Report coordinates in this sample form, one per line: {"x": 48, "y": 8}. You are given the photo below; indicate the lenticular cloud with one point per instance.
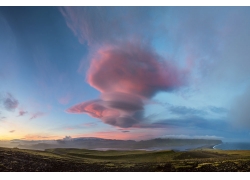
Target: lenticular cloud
{"x": 126, "y": 75}
{"x": 132, "y": 69}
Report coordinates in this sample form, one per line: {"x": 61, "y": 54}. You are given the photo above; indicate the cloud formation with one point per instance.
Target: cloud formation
{"x": 37, "y": 115}
{"x": 117, "y": 109}
{"x": 123, "y": 67}
{"x": 182, "y": 136}
{"x": 9, "y": 102}
{"x": 101, "y": 25}
{"x": 126, "y": 75}
{"x": 67, "y": 138}
{"x": 22, "y": 113}
{"x": 218, "y": 110}
{"x": 133, "y": 68}
{"x": 183, "y": 110}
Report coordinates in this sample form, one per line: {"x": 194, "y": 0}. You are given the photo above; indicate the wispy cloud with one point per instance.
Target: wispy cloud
{"x": 125, "y": 131}
{"x": 114, "y": 23}
{"x": 218, "y": 110}
{"x": 22, "y": 113}
{"x": 80, "y": 126}
{"x": 37, "y": 115}
{"x": 39, "y": 137}
{"x": 183, "y": 110}
{"x": 12, "y": 131}
{"x": 181, "y": 136}
{"x": 2, "y": 118}
{"x": 91, "y": 124}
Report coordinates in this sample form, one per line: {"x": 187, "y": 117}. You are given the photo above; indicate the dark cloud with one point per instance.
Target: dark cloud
{"x": 37, "y": 115}
{"x": 218, "y": 110}
{"x": 121, "y": 121}
{"x": 192, "y": 137}
{"x": 9, "y": 102}
{"x": 125, "y": 131}
{"x": 189, "y": 122}
{"x": 117, "y": 109}
{"x": 183, "y": 110}
{"x": 123, "y": 101}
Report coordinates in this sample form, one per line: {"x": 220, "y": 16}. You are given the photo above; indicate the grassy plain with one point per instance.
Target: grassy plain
{"x": 83, "y": 160}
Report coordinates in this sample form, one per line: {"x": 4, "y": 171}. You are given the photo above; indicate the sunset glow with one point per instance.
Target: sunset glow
{"x": 131, "y": 73}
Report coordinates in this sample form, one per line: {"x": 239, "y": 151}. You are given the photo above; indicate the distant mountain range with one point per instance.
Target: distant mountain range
{"x": 105, "y": 144}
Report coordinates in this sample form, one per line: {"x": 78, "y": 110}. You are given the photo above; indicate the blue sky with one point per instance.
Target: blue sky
{"x": 124, "y": 72}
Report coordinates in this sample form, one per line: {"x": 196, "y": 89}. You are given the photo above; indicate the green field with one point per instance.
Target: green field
{"x": 63, "y": 160}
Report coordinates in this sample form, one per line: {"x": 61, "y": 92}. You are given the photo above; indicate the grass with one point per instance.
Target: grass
{"x": 115, "y": 156}
{"x": 137, "y": 160}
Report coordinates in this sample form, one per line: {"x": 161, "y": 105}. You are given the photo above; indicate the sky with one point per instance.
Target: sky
{"x": 125, "y": 72}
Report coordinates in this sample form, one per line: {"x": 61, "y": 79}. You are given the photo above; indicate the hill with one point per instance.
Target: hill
{"x": 104, "y": 144}
{"x": 83, "y": 160}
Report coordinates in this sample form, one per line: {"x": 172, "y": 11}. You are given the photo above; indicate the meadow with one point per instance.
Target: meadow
{"x": 83, "y": 160}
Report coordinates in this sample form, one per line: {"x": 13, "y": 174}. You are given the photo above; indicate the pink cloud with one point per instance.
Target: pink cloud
{"x": 144, "y": 134}
{"x": 117, "y": 109}
{"x": 132, "y": 68}
{"x": 22, "y": 113}
{"x": 127, "y": 75}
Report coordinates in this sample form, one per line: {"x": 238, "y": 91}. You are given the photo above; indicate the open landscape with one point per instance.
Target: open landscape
{"x": 83, "y": 160}
{"x": 124, "y": 89}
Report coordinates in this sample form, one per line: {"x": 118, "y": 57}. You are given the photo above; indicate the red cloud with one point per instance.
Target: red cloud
{"x": 117, "y": 109}
{"x": 132, "y": 69}
{"x": 139, "y": 134}
{"x": 126, "y": 75}
{"x": 102, "y": 110}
